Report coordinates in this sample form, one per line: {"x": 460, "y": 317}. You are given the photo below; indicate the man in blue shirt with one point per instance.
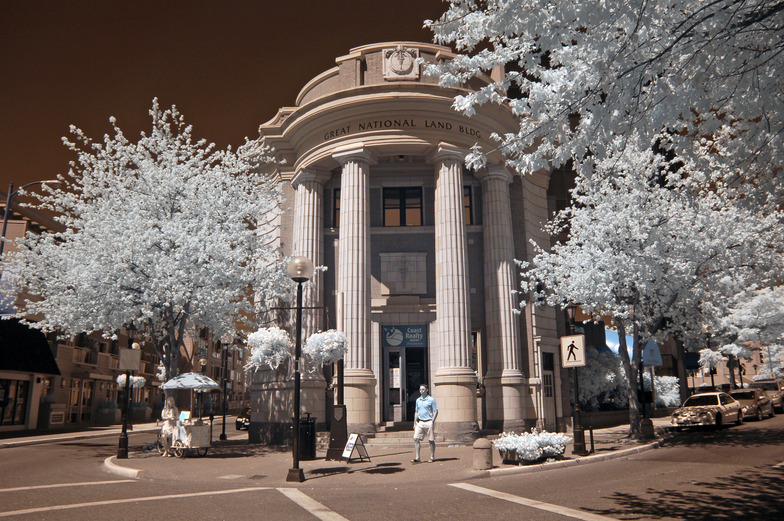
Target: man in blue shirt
{"x": 425, "y": 413}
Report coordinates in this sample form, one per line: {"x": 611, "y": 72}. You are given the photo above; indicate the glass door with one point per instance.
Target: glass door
{"x": 394, "y": 391}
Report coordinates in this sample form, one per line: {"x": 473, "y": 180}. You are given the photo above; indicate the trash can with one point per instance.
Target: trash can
{"x": 307, "y": 437}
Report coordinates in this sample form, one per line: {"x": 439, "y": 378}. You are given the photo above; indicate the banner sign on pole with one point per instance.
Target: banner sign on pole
{"x": 573, "y": 351}
{"x": 651, "y": 355}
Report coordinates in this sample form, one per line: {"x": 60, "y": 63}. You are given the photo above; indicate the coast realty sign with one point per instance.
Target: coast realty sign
{"x": 405, "y": 336}
{"x": 401, "y": 123}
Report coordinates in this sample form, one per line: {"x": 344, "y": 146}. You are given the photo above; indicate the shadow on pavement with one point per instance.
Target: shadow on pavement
{"x": 757, "y": 437}
{"x": 752, "y": 494}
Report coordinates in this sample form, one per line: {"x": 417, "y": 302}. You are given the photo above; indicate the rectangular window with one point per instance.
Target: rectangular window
{"x": 403, "y": 206}
{"x": 469, "y": 219}
{"x": 336, "y": 208}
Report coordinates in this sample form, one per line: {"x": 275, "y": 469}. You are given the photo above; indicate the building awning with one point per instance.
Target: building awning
{"x": 25, "y": 349}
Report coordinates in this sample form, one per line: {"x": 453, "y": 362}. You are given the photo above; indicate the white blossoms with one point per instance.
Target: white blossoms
{"x": 137, "y": 382}
{"x": 270, "y": 346}
{"x": 534, "y": 445}
{"x": 326, "y": 347}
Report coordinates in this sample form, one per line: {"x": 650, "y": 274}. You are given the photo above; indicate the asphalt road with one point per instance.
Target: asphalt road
{"x": 730, "y": 474}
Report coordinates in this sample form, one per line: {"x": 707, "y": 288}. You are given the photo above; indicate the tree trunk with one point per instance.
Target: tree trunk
{"x": 631, "y": 380}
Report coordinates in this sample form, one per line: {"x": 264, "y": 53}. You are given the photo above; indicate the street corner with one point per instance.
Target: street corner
{"x": 112, "y": 466}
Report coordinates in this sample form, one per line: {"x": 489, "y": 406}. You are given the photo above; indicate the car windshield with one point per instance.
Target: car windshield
{"x": 768, "y": 386}
{"x": 743, "y": 395}
{"x": 701, "y": 401}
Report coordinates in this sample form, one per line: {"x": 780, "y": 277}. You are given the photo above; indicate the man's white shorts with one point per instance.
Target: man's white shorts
{"x": 424, "y": 428}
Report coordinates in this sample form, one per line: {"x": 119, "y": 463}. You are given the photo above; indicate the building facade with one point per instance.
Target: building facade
{"x": 420, "y": 252}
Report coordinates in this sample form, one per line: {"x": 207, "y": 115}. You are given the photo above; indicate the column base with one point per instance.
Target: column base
{"x": 455, "y": 394}
{"x": 359, "y": 394}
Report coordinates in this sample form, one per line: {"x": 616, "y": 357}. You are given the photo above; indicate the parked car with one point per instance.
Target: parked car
{"x": 754, "y": 403}
{"x": 774, "y": 388}
{"x": 705, "y": 409}
{"x": 243, "y": 419}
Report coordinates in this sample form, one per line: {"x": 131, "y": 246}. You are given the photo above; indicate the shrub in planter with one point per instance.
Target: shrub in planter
{"x": 531, "y": 446}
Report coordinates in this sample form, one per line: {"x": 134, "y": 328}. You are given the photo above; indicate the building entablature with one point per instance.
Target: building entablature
{"x": 391, "y": 116}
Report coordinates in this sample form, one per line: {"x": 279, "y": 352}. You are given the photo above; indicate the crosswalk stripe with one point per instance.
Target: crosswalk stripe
{"x": 557, "y": 509}
{"x": 311, "y": 505}
{"x": 127, "y": 500}
{"x": 61, "y": 485}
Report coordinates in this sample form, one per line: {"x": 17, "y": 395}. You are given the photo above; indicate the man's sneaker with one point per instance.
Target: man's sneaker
{"x": 415, "y": 461}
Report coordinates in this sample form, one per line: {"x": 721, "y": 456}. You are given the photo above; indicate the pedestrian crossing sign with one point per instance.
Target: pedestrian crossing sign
{"x": 573, "y": 351}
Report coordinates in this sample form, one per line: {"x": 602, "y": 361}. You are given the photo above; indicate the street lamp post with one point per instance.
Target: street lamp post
{"x": 225, "y": 371}
{"x": 300, "y": 270}
{"x": 128, "y": 359}
{"x": 577, "y": 430}
{"x": 10, "y": 199}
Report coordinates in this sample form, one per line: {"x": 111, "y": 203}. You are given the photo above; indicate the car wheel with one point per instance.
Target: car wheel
{"x": 772, "y": 412}
{"x": 718, "y": 421}
{"x": 739, "y": 421}
{"x": 760, "y": 416}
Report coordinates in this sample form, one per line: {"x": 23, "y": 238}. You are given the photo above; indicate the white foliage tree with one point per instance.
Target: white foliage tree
{"x": 164, "y": 234}
{"x": 645, "y": 248}
{"x": 579, "y": 74}
{"x": 602, "y": 382}
{"x": 758, "y": 317}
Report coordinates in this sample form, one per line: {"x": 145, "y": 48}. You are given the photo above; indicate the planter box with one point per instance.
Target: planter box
{"x": 111, "y": 417}
{"x": 140, "y": 415}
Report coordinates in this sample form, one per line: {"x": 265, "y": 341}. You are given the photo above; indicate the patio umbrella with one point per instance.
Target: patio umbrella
{"x": 195, "y": 381}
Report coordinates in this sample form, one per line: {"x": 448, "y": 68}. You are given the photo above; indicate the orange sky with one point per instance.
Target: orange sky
{"x": 228, "y": 66}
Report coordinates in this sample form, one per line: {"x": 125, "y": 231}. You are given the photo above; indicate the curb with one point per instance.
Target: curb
{"x": 113, "y": 468}
{"x": 564, "y": 463}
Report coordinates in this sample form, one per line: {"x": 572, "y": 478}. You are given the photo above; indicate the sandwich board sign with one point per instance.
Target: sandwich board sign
{"x": 573, "y": 351}
{"x": 355, "y": 443}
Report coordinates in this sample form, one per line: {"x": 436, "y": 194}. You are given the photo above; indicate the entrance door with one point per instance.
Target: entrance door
{"x": 404, "y": 371}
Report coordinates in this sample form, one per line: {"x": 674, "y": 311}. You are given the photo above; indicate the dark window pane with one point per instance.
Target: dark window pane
{"x": 467, "y": 205}
{"x": 336, "y": 208}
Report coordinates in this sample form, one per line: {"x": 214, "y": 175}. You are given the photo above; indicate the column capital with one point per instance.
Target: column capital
{"x": 310, "y": 174}
{"x": 446, "y": 152}
{"x": 354, "y": 152}
{"x": 494, "y": 172}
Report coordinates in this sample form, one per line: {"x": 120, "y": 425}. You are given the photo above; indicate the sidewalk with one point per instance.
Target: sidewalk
{"x": 239, "y": 462}
{"x": 235, "y": 460}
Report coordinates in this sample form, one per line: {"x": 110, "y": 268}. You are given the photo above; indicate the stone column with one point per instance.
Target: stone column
{"x": 504, "y": 379}
{"x": 354, "y": 283}
{"x": 308, "y": 242}
{"x": 455, "y": 380}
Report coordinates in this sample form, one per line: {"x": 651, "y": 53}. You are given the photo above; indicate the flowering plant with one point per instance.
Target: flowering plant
{"x": 137, "y": 382}
{"x": 534, "y": 445}
{"x": 326, "y": 347}
{"x": 270, "y": 346}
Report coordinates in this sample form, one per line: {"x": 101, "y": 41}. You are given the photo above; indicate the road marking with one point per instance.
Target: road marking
{"x": 128, "y": 500}
{"x": 564, "y": 511}
{"x": 311, "y": 505}
{"x": 60, "y": 485}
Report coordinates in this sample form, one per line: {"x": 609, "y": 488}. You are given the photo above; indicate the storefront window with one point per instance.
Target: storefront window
{"x": 403, "y": 206}
{"x": 13, "y": 401}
